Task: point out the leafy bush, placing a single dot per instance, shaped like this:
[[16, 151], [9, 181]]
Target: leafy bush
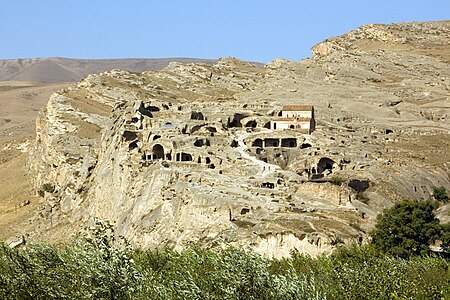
[[336, 180], [46, 188], [408, 228], [440, 194], [105, 267], [87, 269]]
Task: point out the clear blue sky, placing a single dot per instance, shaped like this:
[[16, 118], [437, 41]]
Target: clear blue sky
[[257, 30]]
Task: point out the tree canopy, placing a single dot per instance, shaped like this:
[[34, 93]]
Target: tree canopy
[[408, 228], [440, 194]]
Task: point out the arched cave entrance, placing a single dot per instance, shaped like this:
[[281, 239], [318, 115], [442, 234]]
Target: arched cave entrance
[[289, 142], [305, 145], [271, 142], [145, 111], [251, 124], [158, 151], [196, 115], [236, 121], [129, 135], [257, 143], [359, 185], [325, 164], [132, 145], [198, 143], [186, 157]]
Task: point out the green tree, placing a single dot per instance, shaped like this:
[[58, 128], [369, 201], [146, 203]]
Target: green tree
[[440, 194], [407, 228], [445, 238]]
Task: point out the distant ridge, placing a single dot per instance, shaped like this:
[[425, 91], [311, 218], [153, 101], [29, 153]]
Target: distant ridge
[[58, 69]]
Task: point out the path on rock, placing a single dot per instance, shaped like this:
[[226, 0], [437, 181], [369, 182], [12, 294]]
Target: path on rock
[[265, 168]]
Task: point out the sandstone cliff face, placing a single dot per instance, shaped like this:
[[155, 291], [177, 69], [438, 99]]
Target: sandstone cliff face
[[173, 157]]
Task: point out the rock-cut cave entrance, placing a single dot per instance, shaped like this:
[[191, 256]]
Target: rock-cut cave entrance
[[158, 151], [325, 164], [257, 143], [251, 124], [186, 157]]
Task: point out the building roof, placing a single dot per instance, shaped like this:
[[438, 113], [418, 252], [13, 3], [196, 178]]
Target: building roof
[[292, 119], [305, 107]]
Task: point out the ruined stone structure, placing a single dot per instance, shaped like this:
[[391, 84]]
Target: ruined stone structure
[[299, 117]]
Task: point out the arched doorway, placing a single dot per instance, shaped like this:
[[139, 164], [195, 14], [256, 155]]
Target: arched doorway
[[325, 164], [271, 142], [251, 124], [186, 157], [289, 142], [257, 143], [158, 151]]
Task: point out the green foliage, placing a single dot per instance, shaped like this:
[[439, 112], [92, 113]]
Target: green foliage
[[89, 269], [440, 194], [336, 180], [445, 237], [116, 273], [407, 228], [227, 274], [105, 267], [46, 187]]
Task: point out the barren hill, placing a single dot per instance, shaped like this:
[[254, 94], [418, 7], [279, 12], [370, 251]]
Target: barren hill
[[57, 69], [186, 154], [426, 38]]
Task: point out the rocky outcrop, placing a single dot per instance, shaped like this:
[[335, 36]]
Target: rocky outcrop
[[175, 157], [409, 37]]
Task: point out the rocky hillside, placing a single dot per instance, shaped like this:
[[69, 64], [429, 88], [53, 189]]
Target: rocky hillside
[[177, 156], [58, 69]]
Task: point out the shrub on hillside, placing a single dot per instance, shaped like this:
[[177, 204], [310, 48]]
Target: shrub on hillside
[[336, 180], [440, 194], [408, 228]]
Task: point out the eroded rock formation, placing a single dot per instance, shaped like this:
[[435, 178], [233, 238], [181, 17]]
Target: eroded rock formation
[[186, 155]]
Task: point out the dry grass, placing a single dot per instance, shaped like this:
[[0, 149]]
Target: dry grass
[[20, 103], [15, 188]]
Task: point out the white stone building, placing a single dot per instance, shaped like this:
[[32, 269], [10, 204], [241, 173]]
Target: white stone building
[[300, 117]]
